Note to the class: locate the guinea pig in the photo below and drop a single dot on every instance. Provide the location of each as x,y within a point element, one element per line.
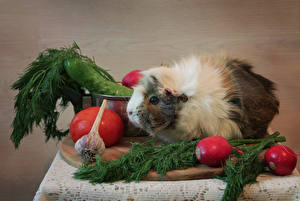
<point>203,96</point>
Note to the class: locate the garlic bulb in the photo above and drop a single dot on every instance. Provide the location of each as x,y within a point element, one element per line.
<point>88,146</point>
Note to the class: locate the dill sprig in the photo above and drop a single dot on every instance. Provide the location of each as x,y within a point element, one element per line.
<point>246,167</point>
<point>136,164</point>
<point>146,156</point>
<point>40,88</point>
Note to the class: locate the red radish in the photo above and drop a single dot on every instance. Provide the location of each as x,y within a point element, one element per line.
<point>213,151</point>
<point>281,160</point>
<point>132,78</point>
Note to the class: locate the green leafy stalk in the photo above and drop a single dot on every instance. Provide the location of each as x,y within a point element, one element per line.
<point>238,142</point>
<point>246,167</point>
<point>136,164</point>
<point>40,87</point>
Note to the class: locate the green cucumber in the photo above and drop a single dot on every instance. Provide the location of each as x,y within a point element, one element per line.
<point>85,74</point>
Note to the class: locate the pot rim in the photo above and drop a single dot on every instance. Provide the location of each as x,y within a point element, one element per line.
<point>113,98</point>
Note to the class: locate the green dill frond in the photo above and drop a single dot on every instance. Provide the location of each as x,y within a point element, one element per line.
<point>246,167</point>
<point>40,88</point>
<point>136,164</point>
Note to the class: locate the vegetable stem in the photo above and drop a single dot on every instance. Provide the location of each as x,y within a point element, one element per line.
<point>252,141</point>
<point>246,167</point>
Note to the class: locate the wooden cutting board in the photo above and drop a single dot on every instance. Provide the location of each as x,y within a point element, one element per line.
<point>201,171</point>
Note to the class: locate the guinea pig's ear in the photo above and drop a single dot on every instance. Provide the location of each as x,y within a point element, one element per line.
<point>180,97</point>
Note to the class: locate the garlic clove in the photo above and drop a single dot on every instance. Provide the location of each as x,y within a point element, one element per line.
<point>88,146</point>
<point>91,144</point>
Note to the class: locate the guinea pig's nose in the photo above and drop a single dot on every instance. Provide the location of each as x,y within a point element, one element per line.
<point>130,113</point>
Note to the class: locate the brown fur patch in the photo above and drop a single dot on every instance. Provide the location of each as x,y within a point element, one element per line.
<point>155,114</point>
<point>257,100</point>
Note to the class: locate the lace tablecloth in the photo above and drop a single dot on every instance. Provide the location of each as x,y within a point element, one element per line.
<point>58,184</point>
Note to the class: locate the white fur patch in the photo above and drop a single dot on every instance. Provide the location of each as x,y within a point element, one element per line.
<point>136,100</point>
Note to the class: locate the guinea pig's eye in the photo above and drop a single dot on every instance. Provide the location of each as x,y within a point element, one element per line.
<point>154,100</point>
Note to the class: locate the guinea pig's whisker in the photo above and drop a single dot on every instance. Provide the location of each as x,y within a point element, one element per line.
<point>197,105</point>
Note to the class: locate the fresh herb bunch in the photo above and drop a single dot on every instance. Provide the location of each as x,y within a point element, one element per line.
<point>136,164</point>
<point>43,84</point>
<point>246,167</point>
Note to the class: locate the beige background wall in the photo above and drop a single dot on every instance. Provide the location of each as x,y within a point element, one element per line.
<point>134,34</point>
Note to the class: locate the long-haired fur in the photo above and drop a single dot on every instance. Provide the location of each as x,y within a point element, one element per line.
<point>203,96</point>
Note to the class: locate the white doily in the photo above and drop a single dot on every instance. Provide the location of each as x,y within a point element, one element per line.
<point>58,184</point>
